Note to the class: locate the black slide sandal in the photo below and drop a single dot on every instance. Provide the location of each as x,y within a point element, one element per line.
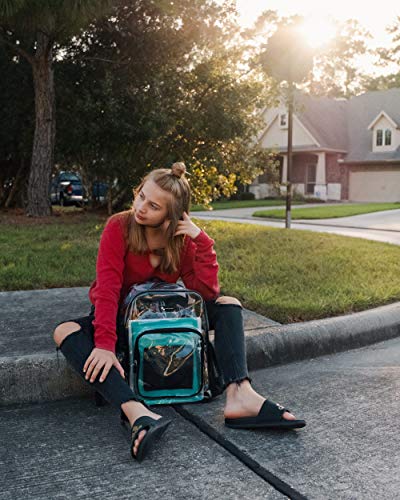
<point>154,430</point>
<point>269,417</point>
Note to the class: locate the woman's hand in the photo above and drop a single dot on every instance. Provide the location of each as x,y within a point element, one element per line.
<point>101,359</point>
<point>186,226</point>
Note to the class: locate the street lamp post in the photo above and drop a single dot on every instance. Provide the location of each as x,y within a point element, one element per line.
<point>288,59</point>
<point>288,218</point>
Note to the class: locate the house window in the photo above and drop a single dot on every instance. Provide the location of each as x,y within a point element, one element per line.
<point>379,137</point>
<point>388,137</point>
<point>311,175</point>
<point>283,120</point>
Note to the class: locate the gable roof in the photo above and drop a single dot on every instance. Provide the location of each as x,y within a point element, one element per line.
<point>378,117</point>
<point>361,111</point>
<point>325,118</point>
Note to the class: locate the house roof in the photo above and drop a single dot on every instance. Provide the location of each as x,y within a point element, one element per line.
<point>342,125</point>
<point>325,118</point>
<point>379,116</point>
<point>361,111</point>
<point>375,157</point>
<point>311,148</point>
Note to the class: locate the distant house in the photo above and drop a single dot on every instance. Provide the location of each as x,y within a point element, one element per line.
<point>342,149</point>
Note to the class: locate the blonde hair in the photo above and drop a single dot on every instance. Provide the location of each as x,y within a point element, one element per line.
<point>173,181</point>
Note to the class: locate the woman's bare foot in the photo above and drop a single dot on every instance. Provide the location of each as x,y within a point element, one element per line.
<point>244,401</point>
<point>133,410</point>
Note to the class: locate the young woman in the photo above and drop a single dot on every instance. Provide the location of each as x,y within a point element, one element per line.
<point>157,239</point>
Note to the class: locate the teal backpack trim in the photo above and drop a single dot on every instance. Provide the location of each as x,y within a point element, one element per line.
<point>160,336</point>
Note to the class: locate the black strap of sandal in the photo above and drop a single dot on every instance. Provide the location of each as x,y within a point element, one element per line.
<point>140,424</point>
<point>271,409</point>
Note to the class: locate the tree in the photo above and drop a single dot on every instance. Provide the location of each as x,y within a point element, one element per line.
<point>288,59</point>
<point>337,63</point>
<point>388,56</point>
<point>150,86</point>
<point>35,30</point>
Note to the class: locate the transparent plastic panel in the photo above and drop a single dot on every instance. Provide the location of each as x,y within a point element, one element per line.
<point>164,304</point>
<point>166,359</point>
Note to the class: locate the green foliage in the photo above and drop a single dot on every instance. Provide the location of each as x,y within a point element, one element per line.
<point>287,57</point>
<point>16,133</point>
<point>337,72</point>
<point>247,196</point>
<point>158,85</point>
<point>59,19</point>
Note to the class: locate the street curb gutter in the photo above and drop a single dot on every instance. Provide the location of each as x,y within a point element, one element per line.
<point>295,342</point>
<point>46,377</point>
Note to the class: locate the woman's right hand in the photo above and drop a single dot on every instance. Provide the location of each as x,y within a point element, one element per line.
<point>101,359</point>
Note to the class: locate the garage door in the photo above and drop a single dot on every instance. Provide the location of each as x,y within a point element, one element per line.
<point>375,186</point>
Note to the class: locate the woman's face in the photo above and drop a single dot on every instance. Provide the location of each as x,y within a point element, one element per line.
<point>150,205</point>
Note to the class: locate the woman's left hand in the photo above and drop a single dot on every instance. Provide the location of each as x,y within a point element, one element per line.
<point>186,226</point>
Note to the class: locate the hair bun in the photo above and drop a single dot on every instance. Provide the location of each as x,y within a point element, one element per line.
<point>178,169</point>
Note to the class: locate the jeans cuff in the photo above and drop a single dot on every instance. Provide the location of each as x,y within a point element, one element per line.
<point>237,381</point>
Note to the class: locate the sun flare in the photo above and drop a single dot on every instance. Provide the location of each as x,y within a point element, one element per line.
<point>317,30</point>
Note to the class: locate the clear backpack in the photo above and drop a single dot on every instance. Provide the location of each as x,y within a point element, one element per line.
<point>171,359</point>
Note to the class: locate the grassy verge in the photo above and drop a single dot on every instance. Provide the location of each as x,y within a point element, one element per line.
<point>57,252</point>
<point>329,212</point>
<point>286,275</point>
<point>224,205</point>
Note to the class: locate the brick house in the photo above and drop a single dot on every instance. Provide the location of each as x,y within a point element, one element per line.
<point>342,149</point>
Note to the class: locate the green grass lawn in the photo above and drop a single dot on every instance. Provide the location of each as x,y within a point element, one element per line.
<point>286,275</point>
<point>224,205</point>
<point>329,212</point>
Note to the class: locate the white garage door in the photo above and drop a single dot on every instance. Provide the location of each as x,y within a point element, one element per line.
<point>375,186</point>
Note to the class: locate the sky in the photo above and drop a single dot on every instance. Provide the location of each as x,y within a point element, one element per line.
<point>372,15</point>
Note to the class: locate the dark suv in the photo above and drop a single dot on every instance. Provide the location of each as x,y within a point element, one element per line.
<point>67,189</point>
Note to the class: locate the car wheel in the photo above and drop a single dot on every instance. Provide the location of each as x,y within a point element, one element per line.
<point>62,201</point>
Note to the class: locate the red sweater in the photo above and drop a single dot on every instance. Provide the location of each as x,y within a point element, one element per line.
<point>117,271</point>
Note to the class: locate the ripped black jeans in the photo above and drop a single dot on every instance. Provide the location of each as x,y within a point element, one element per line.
<point>230,349</point>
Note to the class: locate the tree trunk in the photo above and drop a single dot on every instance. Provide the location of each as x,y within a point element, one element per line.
<point>110,199</point>
<point>16,183</point>
<point>43,143</point>
<point>121,198</point>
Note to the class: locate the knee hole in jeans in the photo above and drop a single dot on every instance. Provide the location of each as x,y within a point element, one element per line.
<point>62,331</point>
<point>224,299</point>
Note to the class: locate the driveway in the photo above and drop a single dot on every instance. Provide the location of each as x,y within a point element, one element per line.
<point>378,226</point>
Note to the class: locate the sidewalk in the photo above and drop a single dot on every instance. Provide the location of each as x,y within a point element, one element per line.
<point>378,226</point>
<point>71,449</point>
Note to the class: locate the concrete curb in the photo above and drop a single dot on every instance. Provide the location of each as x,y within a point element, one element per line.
<point>288,343</point>
<point>38,378</point>
<point>44,377</point>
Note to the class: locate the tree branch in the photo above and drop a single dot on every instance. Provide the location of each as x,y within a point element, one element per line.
<point>121,62</point>
<point>18,49</point>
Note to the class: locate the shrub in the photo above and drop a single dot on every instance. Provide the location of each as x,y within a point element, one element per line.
<point>247,196</point>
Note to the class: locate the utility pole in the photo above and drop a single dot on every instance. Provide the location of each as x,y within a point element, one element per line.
<point>288,217</point>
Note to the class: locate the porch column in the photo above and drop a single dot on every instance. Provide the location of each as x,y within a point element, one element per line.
<point>320,190</point>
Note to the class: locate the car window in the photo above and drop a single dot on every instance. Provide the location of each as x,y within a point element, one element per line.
<point>69,177</point>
